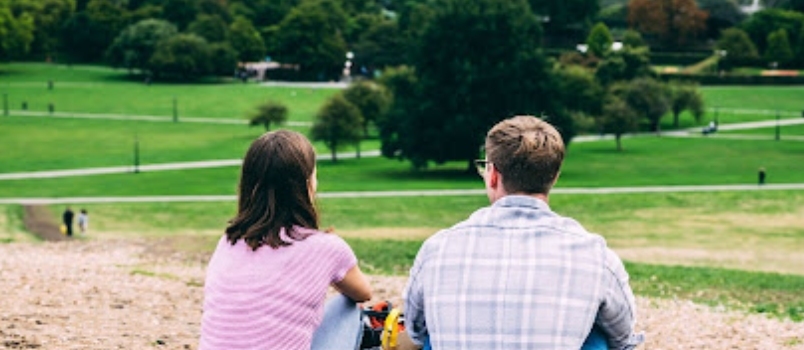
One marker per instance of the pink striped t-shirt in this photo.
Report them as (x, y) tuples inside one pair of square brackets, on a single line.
[(271, 298)]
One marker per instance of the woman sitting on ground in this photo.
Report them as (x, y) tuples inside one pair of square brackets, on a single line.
[(267, 281)]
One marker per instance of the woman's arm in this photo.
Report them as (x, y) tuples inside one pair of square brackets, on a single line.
[(355, 285)]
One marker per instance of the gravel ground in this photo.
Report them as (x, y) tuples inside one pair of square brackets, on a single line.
[(134, 295)]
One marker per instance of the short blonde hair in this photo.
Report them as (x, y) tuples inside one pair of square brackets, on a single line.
[(527, 151)]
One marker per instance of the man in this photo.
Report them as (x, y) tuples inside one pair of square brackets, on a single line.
[(516, 275), (67, 220)]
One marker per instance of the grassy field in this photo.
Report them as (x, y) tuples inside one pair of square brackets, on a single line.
[(714, 248), (698, 161), (102, 90), (697, 246), (787, 130)]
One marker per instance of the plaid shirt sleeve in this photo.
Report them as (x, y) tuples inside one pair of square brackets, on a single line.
[(617, 313), (414, 304)]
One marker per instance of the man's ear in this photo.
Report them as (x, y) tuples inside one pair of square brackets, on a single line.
[(494, 177)]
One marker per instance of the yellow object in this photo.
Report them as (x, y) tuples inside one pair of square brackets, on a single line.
[(390, 332), (63, 229)]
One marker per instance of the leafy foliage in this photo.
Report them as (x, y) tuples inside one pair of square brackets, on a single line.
[(212, 28), (246, 40), (310, 36), (626, 64), (136, 44), (763, 23), (618, 118), (599, 40), (778, 49), (738, 48), (16, 33), (268, 113), (337, 123), (185, 56), (465, 81), (675, 22), (648, 97), (685, 96), (371, 99)]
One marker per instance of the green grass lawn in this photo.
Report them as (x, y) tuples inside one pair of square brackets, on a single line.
[(683, 245), (40, 143), (784, 98), (794, 130), (101, 90), (646, 161)]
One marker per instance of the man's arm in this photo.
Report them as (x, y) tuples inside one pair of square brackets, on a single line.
[(415, 325), (617, 314)]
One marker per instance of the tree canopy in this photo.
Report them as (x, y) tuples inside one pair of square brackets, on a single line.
[(467, 80)]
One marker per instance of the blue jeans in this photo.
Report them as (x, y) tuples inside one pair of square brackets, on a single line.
[(596, 340), (341, 327)]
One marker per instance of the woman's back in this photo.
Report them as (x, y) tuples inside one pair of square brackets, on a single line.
[(270, 298)]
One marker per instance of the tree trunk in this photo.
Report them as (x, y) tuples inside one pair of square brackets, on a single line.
[(675, 119), (619, 142), (658, 128), (334, 155)]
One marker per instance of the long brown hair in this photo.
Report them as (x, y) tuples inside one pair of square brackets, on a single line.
[(273, 192)]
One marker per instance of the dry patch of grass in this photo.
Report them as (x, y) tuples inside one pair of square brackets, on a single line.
[(757, 241)]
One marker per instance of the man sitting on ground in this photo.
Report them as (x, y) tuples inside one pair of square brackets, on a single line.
[(516, 275)]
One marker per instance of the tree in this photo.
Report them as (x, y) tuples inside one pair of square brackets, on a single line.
[(632, 39), (210, 27), (625, 64), (578, 90), (106, 20), (763, 23), (16, 33), (337, 123), (778, 49), (618, 118), (467, 80), (268, 113), (799, 59), (675, 22), (136, 44), (737, 47), (684, 96), (246, 40), (599, 40), (48, 16), (223, 59), (723, 14), (646, 96), (310, 36), (565, 15), (179, 12), (370, 98), (382, 45), (185, 56)]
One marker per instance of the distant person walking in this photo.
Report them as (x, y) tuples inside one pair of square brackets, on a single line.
[(83, 221), (67, 220), (761, 176)]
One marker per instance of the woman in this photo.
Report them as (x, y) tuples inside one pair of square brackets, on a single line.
[(267, 280)]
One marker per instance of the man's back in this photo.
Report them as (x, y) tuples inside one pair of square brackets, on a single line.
[(517, 276)]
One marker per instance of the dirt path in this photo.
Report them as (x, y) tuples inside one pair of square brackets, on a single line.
[(139, 295), (39, 221)]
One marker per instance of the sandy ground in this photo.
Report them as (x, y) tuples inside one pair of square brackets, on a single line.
[(135, 295)]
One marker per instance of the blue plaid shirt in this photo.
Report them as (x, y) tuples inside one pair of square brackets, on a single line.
[(516, 275)]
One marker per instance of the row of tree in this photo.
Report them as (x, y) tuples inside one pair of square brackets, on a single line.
[(316, 34), (463, 82)]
